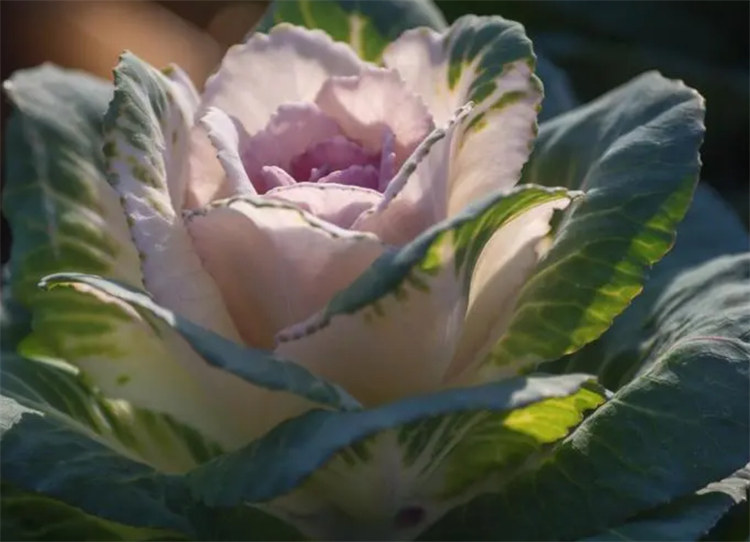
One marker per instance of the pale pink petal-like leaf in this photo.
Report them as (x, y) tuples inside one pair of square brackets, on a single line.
[(274, 263), (206, 180), (394, 331), (227, 136), (506, 262), (362, 176), (146, 144), (369, 105), (138, 160), (337, 203), (287, 65), (487, 61), (293, 129), (417, 197), (274, 177)]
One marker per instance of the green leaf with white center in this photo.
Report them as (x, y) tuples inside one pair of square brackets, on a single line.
[(146, 129), (95, 478), (60, 393), (364, 473), (635, 153), (252, 365), (618, 354), (368, 27), (401, 319), (680, 424), (55, 172), (58, 470)]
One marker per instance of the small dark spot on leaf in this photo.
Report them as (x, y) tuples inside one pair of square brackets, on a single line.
[(409, 516)]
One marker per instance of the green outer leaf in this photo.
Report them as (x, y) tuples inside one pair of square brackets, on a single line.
[(55, 175), (395, 482), (635, 153), (33, 516), (255, 366), (511, 441), (619, 353), (142, 435), (54, 172), (708, 301), (94, 478), (366, 26), (687, 518), (432, 464), (679, 425), (292, 451), (46, 457)]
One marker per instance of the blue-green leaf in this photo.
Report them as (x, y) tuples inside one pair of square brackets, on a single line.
[(53, 471), (635, 153), (59, 392), (368, 27), (409, 305), (65, 216), (687, 518), (43, 456), (256, 366), (619, 353), (410, 455), (54, 173), (678, 425)]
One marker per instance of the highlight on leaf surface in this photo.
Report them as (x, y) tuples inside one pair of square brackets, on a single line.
[(357, 288)]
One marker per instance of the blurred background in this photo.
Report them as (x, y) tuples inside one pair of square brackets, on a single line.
[(599, 44)]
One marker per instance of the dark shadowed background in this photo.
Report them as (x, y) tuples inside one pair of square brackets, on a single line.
[(599, 44)]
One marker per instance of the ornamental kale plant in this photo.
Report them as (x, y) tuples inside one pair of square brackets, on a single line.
[(354, 290)]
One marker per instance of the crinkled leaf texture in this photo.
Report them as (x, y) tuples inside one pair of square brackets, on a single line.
[(644, 465), (677, 426), (657, 461), (686, 518), (66, 216), (634, 151), (440, 449), (101, 489)]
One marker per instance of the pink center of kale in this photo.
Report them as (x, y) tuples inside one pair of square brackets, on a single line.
[(356, 134)]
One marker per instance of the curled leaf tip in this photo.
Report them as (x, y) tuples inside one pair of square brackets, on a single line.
[(56, 279)]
